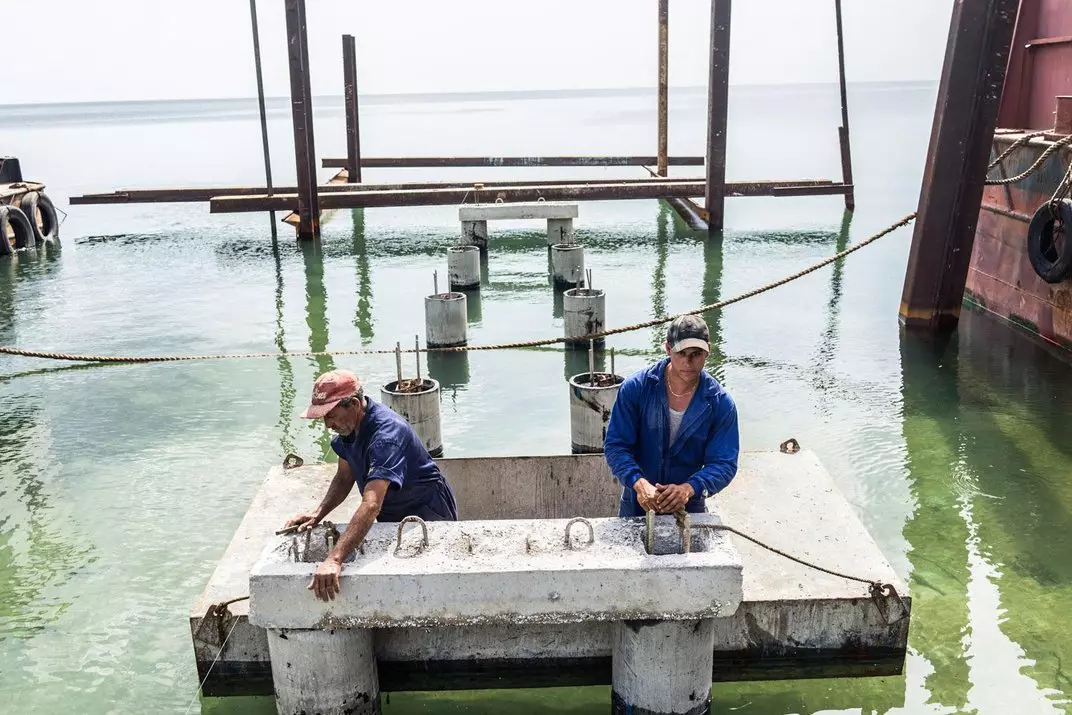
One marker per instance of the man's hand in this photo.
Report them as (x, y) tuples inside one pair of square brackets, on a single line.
[(303, 522), (671, 498), (325, 583), (646, 494)]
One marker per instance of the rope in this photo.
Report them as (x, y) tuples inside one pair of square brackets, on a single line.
[(46, 355), (210, 667), (1013, 147), (1064, 141)]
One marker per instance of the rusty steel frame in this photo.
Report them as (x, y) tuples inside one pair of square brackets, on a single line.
[(843, 130), (980, 35), (718, 96), (664, 85), (302, 111), (366, 196), (353, 127), (263, 111), (413, 162)]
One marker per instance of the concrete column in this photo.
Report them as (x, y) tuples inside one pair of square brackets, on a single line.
[(559, 230), (590, 406), (332, 672), (463, 267), (475, 233), (584, 313), (445, 320), (662, 667), (567, 264), (420, 409)]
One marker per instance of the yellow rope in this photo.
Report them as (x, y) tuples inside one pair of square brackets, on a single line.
[(466, 348)]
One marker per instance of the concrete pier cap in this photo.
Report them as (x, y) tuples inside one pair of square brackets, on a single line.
[(509, 572)]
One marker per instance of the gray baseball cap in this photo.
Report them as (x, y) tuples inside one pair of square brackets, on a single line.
[(688, 331)]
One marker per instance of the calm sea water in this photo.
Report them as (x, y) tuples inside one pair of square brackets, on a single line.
[(120, 486)]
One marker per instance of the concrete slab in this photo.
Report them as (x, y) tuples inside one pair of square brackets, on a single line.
[(520, 210), (508, 572), (793, 622)]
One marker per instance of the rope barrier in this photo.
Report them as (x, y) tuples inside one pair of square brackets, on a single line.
[(49, 355)]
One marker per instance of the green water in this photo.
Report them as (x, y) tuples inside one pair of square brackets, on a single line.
[(120, 486)]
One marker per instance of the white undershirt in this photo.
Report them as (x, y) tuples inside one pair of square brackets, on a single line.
[(675, 422)]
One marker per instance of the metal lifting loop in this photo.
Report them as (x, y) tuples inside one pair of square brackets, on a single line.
[(424, 533), (580, 520)]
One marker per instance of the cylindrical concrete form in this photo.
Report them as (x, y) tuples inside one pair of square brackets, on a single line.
[(590, 406), (463, 267), (475, 233), (585, 312), (662, 667), (324, 671), (567, 263), (559, 230), (420, 409), (445, 320)]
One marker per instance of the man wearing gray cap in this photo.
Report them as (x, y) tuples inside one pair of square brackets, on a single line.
[(673, 440)]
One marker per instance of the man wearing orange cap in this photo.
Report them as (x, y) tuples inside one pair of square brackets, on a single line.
[(380, 452)]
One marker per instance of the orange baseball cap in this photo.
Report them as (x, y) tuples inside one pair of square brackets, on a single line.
[(330, 389)]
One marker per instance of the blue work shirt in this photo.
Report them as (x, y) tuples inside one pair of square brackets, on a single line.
[(704, 452), (386, 447)]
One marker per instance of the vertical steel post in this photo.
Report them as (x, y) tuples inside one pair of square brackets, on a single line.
[(353, 127), (302, 111), (264, 114), (664, 75), (976, 56), (843, 130), (717, 114)]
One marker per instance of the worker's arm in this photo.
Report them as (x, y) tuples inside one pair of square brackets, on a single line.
[(325, 581), (337, 493), (620, 444)]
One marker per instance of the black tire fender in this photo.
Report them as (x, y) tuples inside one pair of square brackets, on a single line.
[(12, 217), (1051, 259), (37, 203)]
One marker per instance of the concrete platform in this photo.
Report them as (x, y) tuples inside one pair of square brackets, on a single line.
[(518, 210), (793, 622)]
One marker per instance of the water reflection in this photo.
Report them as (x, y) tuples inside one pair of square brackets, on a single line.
[(317, 320), (988, 462), (558, 309), (474, 312), (576, 362), (822, 377), (658, 277), (287, 390), (451, 369), (363, 320)]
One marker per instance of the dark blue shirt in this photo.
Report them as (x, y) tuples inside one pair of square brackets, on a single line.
[(386, 447)]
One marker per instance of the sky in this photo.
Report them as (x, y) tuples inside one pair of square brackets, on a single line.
[(116, 50)]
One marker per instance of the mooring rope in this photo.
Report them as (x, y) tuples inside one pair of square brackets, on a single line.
[(1014, 146), (1064, 141), (49, 355)]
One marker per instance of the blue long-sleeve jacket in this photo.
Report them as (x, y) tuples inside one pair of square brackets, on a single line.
[(704, 453)]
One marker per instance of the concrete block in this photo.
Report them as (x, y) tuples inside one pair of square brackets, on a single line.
[(662, 667), (325, 672), (520, 210), (507, 572), (559, 230)]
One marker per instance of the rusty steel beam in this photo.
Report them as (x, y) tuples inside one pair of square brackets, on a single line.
[(976, 56), (843, 130), (717, 114), (302, 112), (353, 126), (564, 191), (261, 107), (409, 162), (664, 80), (203, 194)]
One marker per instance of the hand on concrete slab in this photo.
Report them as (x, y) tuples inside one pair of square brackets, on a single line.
[(303, 522), (671, 498), (645, 493), (325, 583)]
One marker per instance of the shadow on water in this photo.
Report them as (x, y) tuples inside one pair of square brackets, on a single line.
[(317, 320)]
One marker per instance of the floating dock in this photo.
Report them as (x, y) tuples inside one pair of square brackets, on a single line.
[(791, 622)]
